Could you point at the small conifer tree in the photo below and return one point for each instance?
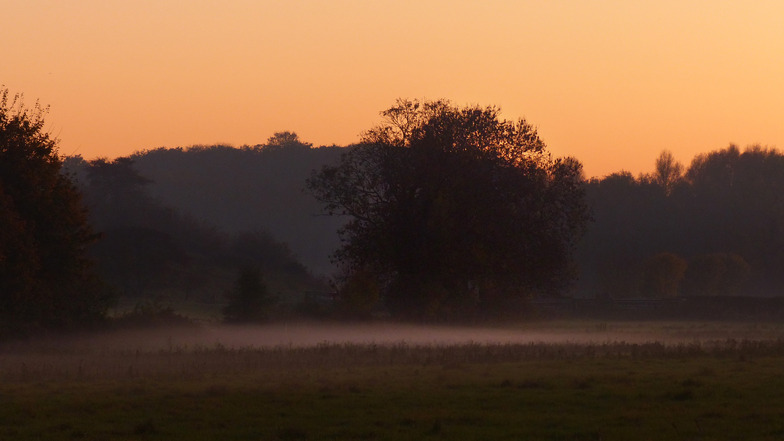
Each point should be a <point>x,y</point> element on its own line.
<point>249,299</point>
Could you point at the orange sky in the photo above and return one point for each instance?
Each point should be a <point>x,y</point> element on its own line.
<point>610,82</point>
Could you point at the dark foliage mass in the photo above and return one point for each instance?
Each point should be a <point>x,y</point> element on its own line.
<point>152,252</point>
<point>249,299</point>
<point>454,210</point>
<point>46,278</point>
<point>723,216</point>
<point>249,188</point>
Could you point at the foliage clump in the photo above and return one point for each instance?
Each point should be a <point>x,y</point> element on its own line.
<point>662,275</point>
<point>46,277</point>
<point>249,299</point>
<point>716,274</point>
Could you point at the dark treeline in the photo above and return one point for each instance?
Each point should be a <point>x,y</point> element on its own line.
<point>440,211</point>
<point>714,228</point>
<point>184,224</point>
<point>250,188</point>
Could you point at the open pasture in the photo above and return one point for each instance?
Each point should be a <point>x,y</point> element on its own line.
<point>551,380</point>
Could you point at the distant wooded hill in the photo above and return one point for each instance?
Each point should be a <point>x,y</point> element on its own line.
<point>180,224</point>
<point>249,189</point>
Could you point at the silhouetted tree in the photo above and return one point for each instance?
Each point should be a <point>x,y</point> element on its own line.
<point>46,278</point>
<point>668,172</point>
<point>454,209</point>
<point>286,140</point>
<point>249,299</point>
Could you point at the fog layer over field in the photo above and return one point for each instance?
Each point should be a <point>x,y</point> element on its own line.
<point>309,334</point>
<point>278,352</point>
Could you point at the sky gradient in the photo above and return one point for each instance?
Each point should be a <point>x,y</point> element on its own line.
<point>611,83</point>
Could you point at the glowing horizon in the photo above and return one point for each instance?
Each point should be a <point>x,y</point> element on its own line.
<point>611,83</point>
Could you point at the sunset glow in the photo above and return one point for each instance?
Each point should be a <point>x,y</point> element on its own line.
<point>611,83</point>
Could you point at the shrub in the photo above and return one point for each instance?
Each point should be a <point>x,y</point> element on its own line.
<point>662,275</point>
<point>718,274</point>
<point>249,299</point>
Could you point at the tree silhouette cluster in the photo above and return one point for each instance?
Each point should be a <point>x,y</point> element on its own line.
<point>152,252</point>
<point>46,277</point>
<point>249,299</point>
<point>454,210</point>
<point>715,228</point>
<point>249,188</point>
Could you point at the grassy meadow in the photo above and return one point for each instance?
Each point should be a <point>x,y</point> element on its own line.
<point>543,381</point>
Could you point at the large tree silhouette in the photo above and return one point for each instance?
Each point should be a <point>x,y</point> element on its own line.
<point>455,210</point>
<point>45,277</point>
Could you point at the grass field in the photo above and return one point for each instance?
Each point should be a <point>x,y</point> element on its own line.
<point>547,381</point>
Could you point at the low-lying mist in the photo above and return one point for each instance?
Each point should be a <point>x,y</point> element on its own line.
<point>299,335</point>
<point>286,353</point>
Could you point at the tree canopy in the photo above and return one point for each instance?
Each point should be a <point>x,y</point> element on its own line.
<point>455,210</point>
<point>46,278</point>
<point>724,214</point>
<point>152,251</point>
